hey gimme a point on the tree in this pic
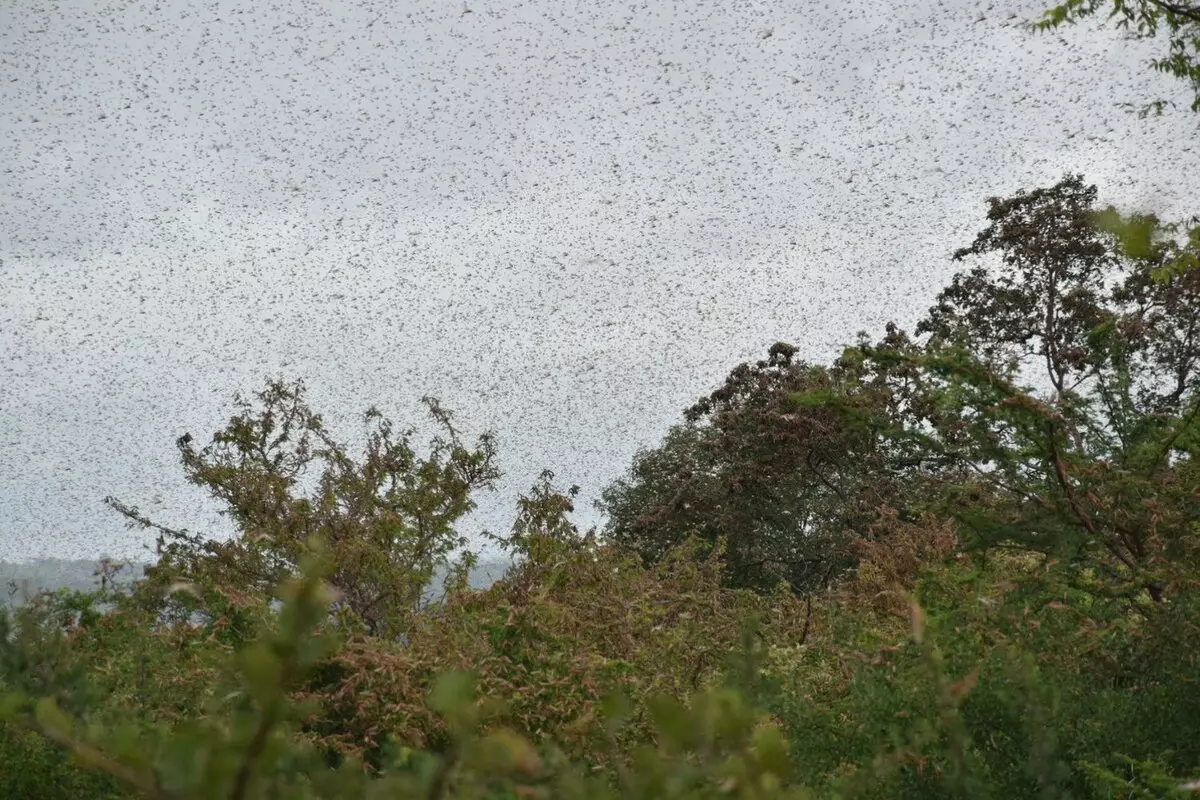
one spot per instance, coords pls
(1178, 20)
(1098, 465)
(782, 462)
(543, 529)
(387, 519)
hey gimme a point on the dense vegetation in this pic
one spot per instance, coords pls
(958, 562)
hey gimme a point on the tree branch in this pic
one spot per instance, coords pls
(1188, 12)
(1060, 472)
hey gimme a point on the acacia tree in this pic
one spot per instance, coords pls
(387, 519)
(1177, 20)
(1098, 463)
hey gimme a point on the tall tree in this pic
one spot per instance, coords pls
(781, 462)
(1065, 372)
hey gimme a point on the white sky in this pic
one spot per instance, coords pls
(566, 220)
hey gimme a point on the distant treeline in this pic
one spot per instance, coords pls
(19, 581)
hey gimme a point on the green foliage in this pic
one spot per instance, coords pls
(782, 462)
(966, 566)
(1178, 21)
(1099, 466)
(32, 766)
(388, 519)
(1004, 681)
(249, 747)
(553, 639)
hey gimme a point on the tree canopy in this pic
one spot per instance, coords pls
(1049, 399)
(387, 519)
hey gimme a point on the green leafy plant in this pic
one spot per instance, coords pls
(388, 520)
(1178, 21)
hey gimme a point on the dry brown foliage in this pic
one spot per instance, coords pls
(891, 557)
(552, 640)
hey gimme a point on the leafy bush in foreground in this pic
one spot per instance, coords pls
(247, 744)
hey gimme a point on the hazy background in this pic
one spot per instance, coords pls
(567, 221)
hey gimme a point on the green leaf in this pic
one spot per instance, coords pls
(12, 704)
(453, 697)
(262, 672)
(673, 721)
(772, 751)
(616, 708)
(52, 718)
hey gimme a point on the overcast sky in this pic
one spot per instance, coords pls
(567, 221)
